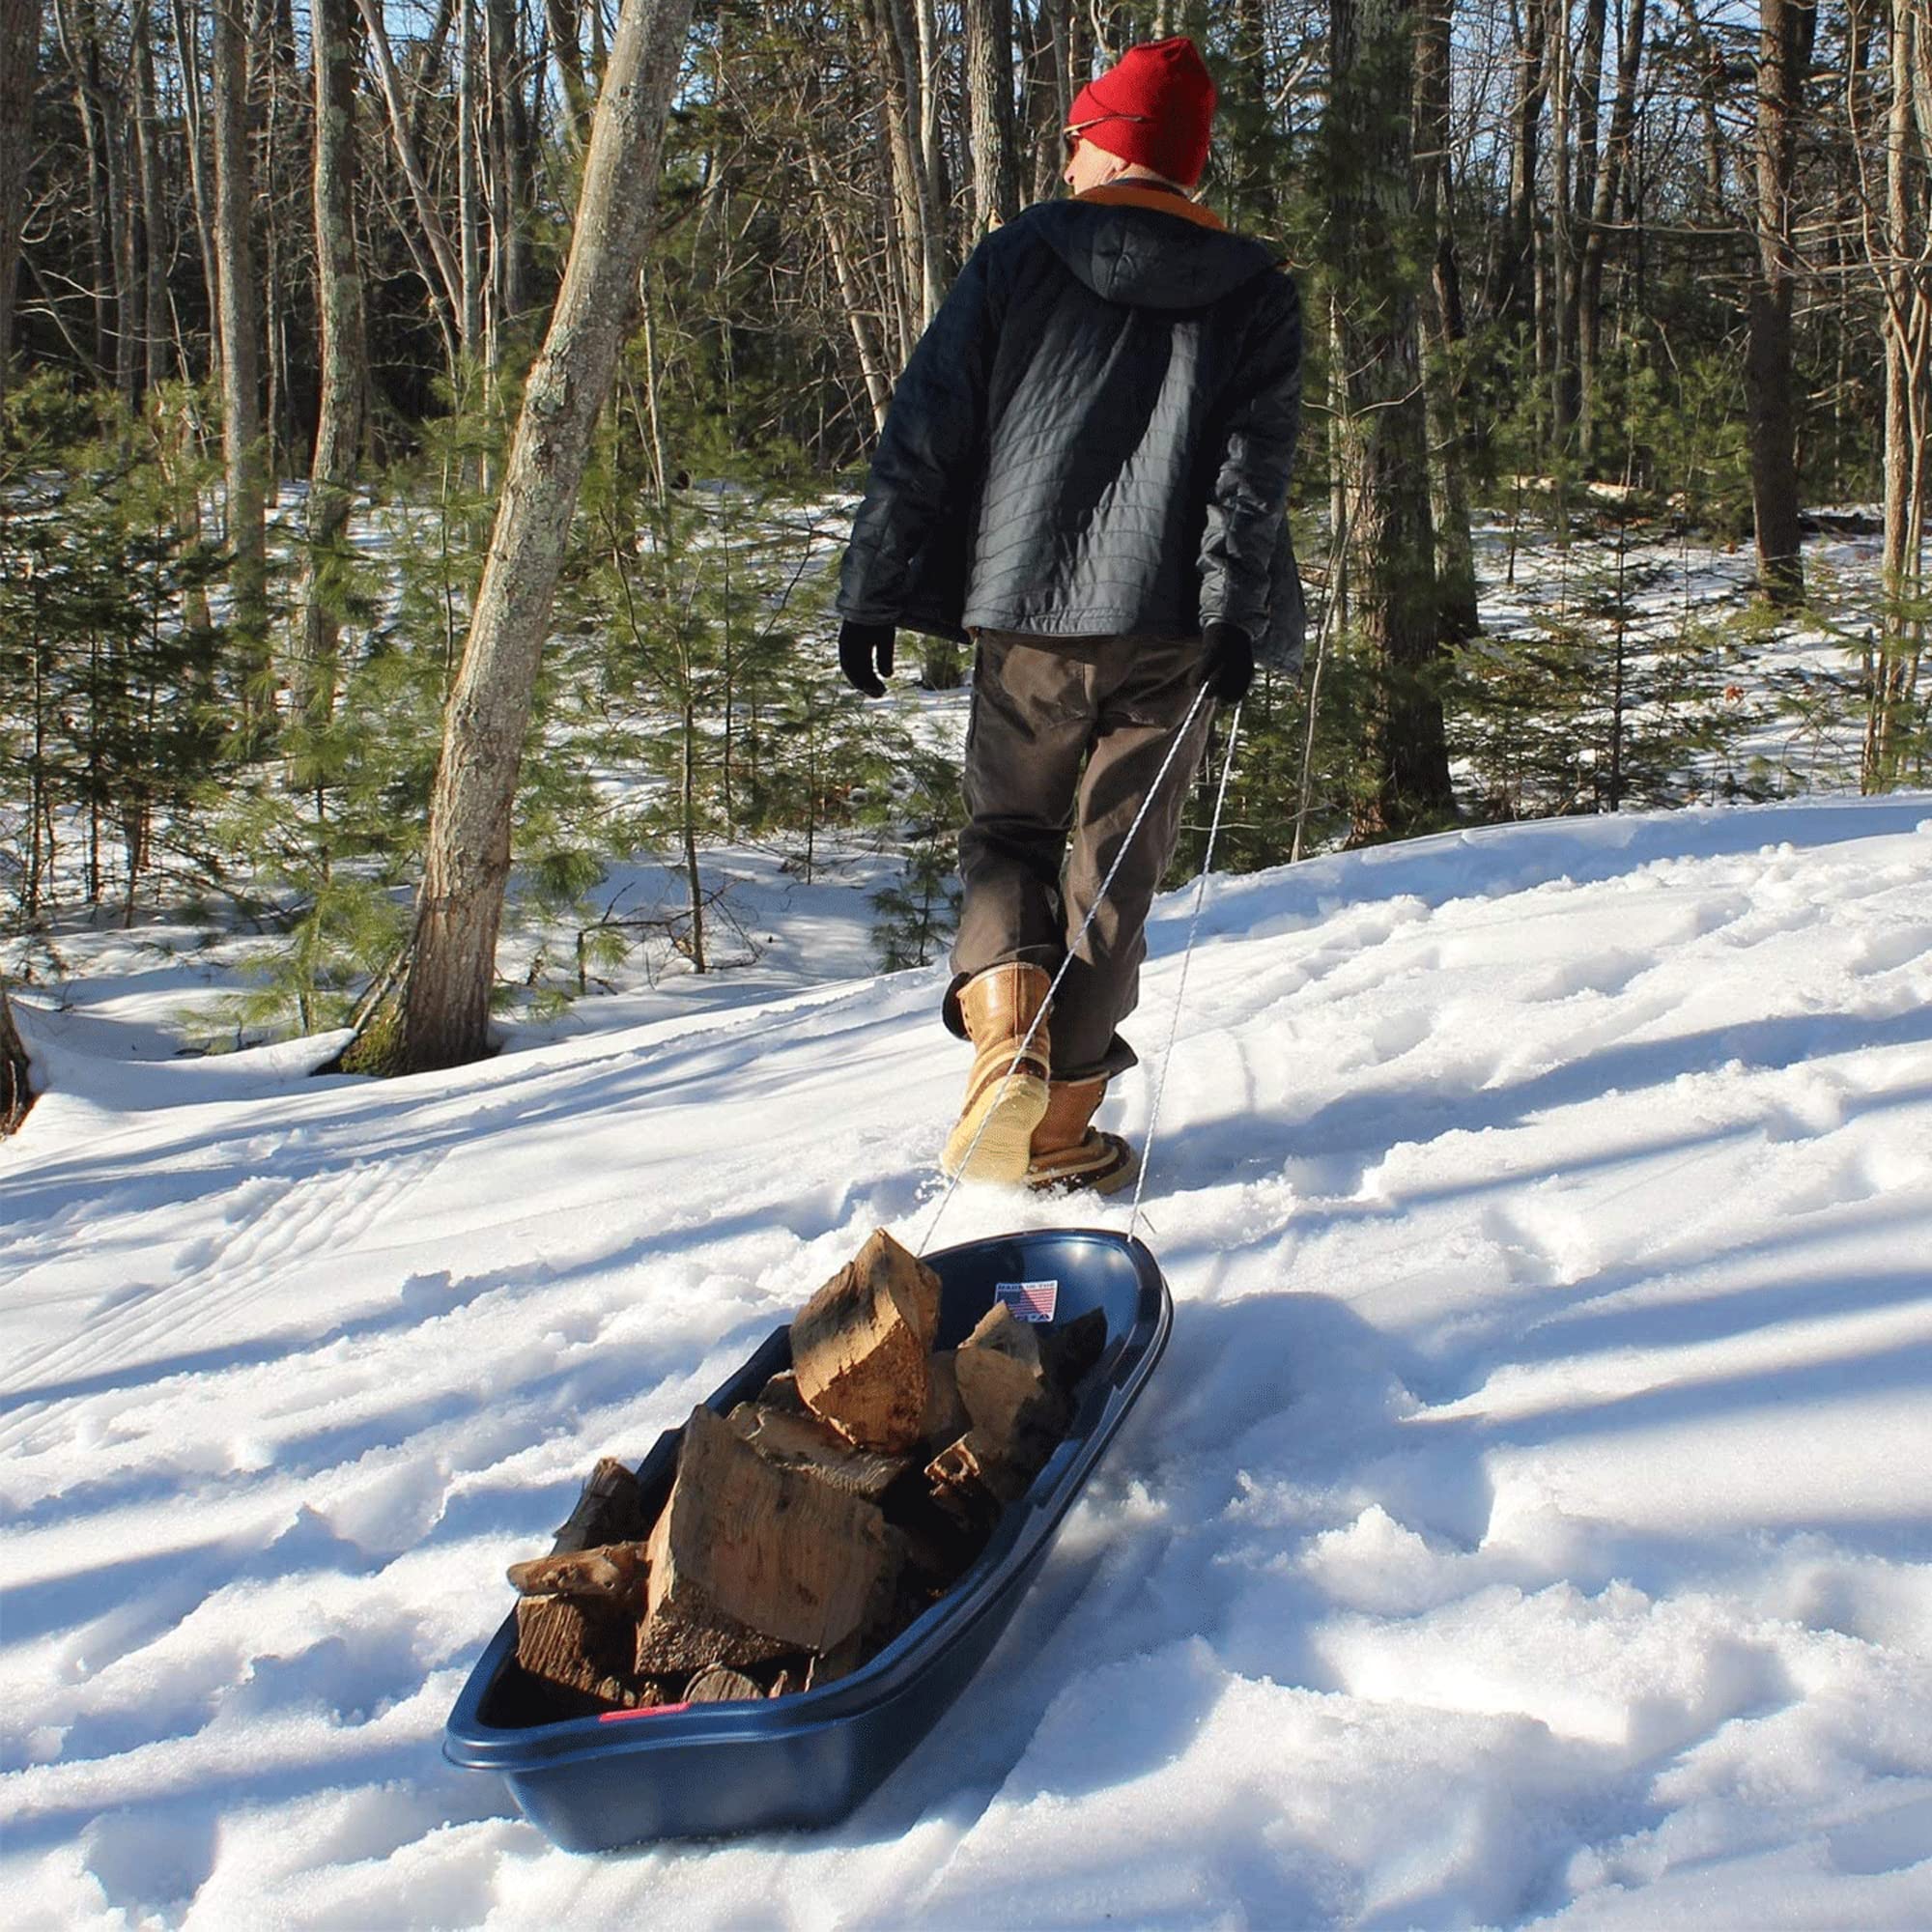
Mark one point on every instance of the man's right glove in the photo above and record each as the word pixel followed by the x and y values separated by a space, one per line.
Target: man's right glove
pixel 1231 660
pixel 861 648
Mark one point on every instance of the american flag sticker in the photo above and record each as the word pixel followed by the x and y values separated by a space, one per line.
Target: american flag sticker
pixel 1029 1301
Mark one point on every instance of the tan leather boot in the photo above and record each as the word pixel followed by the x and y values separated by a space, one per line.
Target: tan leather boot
pixel 998 1007
pixel 1070 1152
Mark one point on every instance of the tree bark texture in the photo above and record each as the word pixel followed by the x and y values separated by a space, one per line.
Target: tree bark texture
pixel 1612 171
pixel 1903 255
pixel 1785 32
pixel 1515 300
pixel 1448 468
pixel 238 327
pixel 1372 227
pixel 20 51
pixel 17 1085
pixel 989 95
pixel 345 351
pixel 452 968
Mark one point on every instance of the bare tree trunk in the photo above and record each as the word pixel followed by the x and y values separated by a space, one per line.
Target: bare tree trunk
pixel 921 254
pixel 468 199
pixel 509 147
pixel 16 1084
pixel 19 63
pixel 155 241
pixel 446 1000
pixel 566 49
pixel 1048 92
pixel 1448 469
pixel 1560 284
pixel 187 65
pixel 241 355
pixel 1516 298
pixel 865 338
pixel 448 288
pixel 1392 573
pixel 1612 167
pixel 989 91
pixel 1785 33
pixel 345 351
pixel 1902 248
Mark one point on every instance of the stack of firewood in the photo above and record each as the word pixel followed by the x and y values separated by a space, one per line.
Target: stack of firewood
pixel 806 1528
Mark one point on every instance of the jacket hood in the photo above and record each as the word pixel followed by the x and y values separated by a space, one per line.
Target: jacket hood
pixel 1136 250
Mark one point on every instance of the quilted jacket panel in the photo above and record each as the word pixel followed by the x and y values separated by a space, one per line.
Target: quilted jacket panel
pixel 1094 437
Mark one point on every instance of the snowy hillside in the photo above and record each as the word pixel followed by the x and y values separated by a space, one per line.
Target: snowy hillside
pixel 1531 1521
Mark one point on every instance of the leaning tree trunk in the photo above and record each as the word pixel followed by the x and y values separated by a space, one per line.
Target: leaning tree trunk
pixel 445 1010
pixel 19 51
pixel 17 1087
pixel 1787 28
pixel 246 486
pixel 345 355
pixel 1392 545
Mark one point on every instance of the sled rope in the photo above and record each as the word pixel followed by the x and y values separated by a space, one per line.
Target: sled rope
pixel 1072 950
pixel 1187 959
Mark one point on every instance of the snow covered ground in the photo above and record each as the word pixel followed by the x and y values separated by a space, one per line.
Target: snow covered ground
pixel 1531 1521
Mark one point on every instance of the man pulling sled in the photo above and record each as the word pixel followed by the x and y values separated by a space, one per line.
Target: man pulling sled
pixel 1084 472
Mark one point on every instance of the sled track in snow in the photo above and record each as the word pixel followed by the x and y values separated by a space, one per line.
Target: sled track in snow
pixel 321 1209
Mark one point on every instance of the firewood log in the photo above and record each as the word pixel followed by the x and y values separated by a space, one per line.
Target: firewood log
pixel 971 1473
pixel 1018 1414
pixel 945 1419
pixel 1068 1351
pixel 859 1346
pixel 582 1644
pixel 720 1683
pixel 749 1560
pixel 609 1511
pixel 785 1432
pixel 615 1574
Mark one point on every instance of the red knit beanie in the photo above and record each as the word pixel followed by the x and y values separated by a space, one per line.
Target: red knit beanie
pixel 1155 106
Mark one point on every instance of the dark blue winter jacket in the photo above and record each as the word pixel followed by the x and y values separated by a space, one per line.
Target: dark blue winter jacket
pixel 1093 437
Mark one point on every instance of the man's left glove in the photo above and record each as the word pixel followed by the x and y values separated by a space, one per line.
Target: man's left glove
pixel 1231 660
pixel 861 647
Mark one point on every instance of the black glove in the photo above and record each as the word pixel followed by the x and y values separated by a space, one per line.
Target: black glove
pixel 860 647
pixel 1231 662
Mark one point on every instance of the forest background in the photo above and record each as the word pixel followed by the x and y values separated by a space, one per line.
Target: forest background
pixel 296 320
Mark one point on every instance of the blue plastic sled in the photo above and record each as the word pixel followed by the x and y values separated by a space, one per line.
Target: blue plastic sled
pixel 598 1782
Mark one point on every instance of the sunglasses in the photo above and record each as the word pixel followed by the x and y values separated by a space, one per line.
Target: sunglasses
pixel 1071 135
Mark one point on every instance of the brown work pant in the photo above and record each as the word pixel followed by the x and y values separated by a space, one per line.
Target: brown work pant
pixel 1066 738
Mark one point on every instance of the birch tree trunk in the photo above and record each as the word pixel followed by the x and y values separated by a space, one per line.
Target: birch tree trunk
pixel 446 1007
pixel 345 353
pixel 238 328
pixel 1392 544
pixel 1785 33
pixel 19 61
